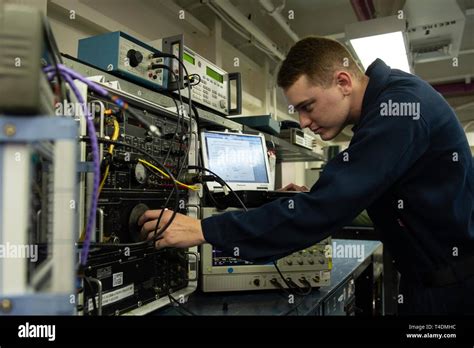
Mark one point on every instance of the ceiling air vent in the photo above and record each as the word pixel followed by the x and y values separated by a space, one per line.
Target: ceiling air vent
pixel 435 28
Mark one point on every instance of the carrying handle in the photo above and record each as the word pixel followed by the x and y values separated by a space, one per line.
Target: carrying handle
pixel 235 76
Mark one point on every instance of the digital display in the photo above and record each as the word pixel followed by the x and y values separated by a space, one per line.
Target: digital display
pixel 188 58
pixel 221 259
pixel 214 74
pixel 237 158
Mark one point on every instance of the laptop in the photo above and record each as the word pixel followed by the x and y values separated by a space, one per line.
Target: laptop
pixel 242 161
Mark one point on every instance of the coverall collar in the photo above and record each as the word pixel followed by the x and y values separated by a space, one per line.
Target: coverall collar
pixel 378 73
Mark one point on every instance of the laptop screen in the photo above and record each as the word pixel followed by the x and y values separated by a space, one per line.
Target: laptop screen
pixel 240 159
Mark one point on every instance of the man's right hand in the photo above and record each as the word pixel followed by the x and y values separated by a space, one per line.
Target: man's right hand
pixel 293 187
pixel 184 231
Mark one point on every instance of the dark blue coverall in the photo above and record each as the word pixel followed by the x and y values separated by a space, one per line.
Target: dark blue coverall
pixel 414 175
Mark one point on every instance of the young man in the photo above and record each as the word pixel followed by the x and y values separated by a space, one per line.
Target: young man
pixel 408 164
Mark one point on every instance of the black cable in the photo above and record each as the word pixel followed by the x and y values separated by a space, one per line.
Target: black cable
pixel 201 161
pixel 281 276
pixel 55 55
pixel 221 182
pixel 94 304
pixel 296 286
pixel 198 125
pixel 154 130
pixel 293 286
pixel 197 83
pixel 308 284
pixel 52 40
pixel 198 122
pixel 178 109
pixel 206 189
pixel 175 189
pixel 163 66
pixel 180 62
pixel 180 305
pixel 245 208
pixel 211 197
pixel 181 143
pixel 124 106
pixel 276 283
pixel 178 113
pixel 156 55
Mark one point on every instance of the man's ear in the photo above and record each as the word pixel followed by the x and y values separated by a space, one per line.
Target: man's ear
pixel 344 81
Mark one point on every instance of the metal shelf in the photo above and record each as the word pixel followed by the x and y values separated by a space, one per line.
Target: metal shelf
pixel 207 117
pixel 287 152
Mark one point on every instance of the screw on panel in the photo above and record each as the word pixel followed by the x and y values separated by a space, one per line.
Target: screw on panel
pixel 6 305
pixel 9 130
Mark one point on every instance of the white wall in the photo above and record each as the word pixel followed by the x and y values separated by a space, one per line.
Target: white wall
pixel 150 20
pixel 293 172
pixel 67 32
pixel 40 4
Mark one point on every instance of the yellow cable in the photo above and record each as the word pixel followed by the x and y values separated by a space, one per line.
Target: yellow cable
pixel 194 188
pixel 111 150
pixel 115 136
pixel 102 183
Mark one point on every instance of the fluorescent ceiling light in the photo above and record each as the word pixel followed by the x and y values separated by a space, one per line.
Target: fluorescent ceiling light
pixel 383 38
pixel 388 47
pixel 470 138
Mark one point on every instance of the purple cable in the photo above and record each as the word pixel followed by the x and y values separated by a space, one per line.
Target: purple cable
pixel 95 155
pixel 92 85
pixel 69 74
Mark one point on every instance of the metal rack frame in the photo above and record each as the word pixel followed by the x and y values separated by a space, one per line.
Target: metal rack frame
pixel 17 136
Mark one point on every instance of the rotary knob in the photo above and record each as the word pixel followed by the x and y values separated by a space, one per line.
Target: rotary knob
pixel 135 231
pixel 134 58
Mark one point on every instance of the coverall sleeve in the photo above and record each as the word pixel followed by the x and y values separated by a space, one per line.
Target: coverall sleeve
pixel 381 151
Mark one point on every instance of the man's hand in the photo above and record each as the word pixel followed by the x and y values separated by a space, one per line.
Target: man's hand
pixel 184 231
pixel 293 187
